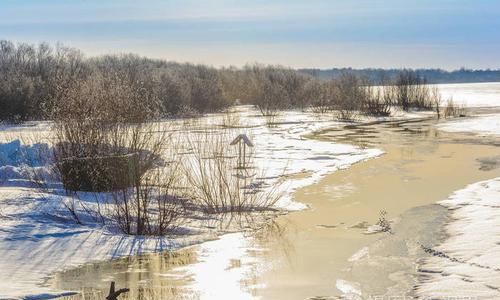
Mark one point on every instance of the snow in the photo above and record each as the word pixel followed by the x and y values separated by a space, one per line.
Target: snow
pixel 483 125
pixel 362 253
pixel 350 290
pixel 18 161
pixel 472 94
pixel 34 243
pixel 13 153
pixel 467 264
pixel 37 237
pixel 214 275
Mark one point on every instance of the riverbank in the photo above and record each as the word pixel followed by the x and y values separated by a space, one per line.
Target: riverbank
pixel 324 252
pixel 39 238
pixel 318 243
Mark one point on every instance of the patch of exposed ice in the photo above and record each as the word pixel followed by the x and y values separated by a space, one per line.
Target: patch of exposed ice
pixel 212 275
pixel 361 253
pixel 348 288
pixel 375 228
pixel 483 125
pixel 467 263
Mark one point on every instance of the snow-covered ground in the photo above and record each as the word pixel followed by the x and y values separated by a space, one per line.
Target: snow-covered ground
pixel 473 95
pixel 467 264
pixel 483 125
pixel 36 238
pixel 485 94
pixel 34 243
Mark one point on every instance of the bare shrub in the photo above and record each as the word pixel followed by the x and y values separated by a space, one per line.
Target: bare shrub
pixel 453 110
pixel 376 101
pixel 411 91
pixel 384 224
pixel 153 203
pixel 321 95
pixel 272 89
pixel 230 119
pixel 437 99
pixel 217 184
pixel 274 97
pixel 155 206
pixel 90 130
pixel 103 118
pixel 350 97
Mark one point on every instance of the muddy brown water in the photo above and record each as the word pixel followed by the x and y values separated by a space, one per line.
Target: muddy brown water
pixel 322 252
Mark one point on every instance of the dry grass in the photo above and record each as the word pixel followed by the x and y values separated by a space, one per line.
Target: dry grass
pixel 217 184
pixel 231 119
pixel 453 110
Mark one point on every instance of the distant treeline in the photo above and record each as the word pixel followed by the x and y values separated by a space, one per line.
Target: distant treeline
pixel 46 82
pixel 382 76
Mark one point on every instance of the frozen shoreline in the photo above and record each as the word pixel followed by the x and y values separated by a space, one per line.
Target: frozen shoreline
pixel 466 263
pixel 33 244
pixel 37 237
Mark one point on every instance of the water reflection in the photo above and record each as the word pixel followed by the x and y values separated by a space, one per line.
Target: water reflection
pixel 225 268
pixel 146 276
pixel 367 135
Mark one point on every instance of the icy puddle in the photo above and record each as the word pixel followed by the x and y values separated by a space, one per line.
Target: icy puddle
pixel 325 251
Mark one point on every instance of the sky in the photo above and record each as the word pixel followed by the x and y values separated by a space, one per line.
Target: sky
pixel 447 34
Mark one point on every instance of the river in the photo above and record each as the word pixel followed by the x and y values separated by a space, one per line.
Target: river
pixel 322 252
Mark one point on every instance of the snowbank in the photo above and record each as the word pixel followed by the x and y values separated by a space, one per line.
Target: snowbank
pixel 482 124
pixel 21 162
pixel 15 154
pixel 467 264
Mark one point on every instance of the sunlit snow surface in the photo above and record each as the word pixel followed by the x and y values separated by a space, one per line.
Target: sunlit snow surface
pixel 33 244
pixel 472 94
pixel 469 263
pixel 222 267
pixel 481 125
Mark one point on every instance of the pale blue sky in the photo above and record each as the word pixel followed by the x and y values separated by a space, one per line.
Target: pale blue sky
pixel 317 33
